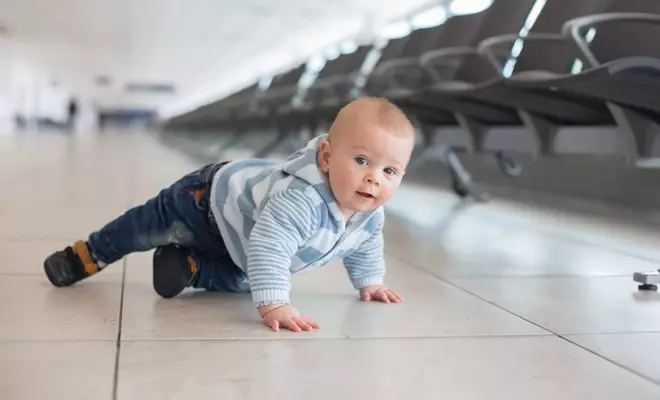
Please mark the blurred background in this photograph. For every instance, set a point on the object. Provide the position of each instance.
(169, 57)
(259, 78)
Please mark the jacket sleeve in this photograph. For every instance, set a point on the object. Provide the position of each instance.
(366, 265)
(286, 222)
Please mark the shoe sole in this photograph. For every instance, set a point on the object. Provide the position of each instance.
(168, 273)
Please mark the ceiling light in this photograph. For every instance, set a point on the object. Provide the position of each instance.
(348, 47)
(461, 7)
(429, 18)
(331, 53)
(395, 30)
(316, 63)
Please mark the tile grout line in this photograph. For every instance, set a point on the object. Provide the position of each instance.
(343, 337)
(593, 352)
(560, 336)
(115, 377)
(338, 338)
(462, 289)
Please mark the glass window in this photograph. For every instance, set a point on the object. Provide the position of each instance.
(518, 45)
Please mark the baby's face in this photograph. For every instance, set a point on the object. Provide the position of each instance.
(365, 168)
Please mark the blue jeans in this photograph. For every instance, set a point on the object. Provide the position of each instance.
(179, 215)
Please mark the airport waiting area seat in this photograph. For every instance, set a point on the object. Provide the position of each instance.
(334, 87)
(477, 94)
(216, 115)
(452, 80)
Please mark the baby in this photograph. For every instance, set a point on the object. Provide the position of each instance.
(247, 226)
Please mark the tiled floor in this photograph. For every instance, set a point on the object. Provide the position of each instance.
(503, 301)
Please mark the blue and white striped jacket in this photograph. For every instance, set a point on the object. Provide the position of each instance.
(282, 219)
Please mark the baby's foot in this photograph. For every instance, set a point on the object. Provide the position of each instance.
(68, 266)
(173, 270)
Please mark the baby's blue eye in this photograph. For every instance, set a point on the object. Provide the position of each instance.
(389, 171)
(361, 160)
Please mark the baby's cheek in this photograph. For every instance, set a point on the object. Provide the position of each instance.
(388, 191)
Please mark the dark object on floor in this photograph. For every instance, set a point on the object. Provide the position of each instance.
(173, 270)
(649, 280)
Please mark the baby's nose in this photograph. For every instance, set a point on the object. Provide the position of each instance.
(373, 180)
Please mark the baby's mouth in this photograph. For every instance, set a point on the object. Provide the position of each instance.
(366, 195)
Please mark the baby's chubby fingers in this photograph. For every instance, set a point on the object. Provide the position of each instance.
(394, 297)
(274, 325)
(365, 295)
(302, 324)
(291, 325)
(382, 295)
(310, 322)
(314, 324)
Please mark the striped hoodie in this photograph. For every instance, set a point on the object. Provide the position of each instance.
(278, 220)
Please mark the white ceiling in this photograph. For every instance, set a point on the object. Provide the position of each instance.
(205, 47)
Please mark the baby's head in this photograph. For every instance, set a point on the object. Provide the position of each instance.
(366, 153)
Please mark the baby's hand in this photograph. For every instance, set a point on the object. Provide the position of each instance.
(287, 317)
(380, 293)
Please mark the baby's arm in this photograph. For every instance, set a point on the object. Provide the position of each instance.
(366, 269)
(286, 222)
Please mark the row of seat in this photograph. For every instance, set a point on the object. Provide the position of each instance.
(463, 88)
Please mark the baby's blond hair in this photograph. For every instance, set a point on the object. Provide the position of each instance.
(372, 110)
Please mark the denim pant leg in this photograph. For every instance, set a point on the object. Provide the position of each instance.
(219, 274)
(174, 216)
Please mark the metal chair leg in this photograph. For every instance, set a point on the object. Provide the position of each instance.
(649, 280)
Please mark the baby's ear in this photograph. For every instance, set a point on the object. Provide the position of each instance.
(324, 151)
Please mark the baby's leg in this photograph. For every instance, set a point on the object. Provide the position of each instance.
(158, 222)
(219, 274)
(174, 216)
(175, 268)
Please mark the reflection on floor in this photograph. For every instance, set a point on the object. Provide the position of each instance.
(503, 301)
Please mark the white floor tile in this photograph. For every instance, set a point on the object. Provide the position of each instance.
(431, 308)
(57, 370)
(32, 309)
(27, 257)
(470, 368)
(573, 305)
(464, 246)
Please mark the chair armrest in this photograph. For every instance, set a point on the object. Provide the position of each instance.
(447, 53)
(394, 71)
(492, 47)
(331, 81)
(279, 92)
(331, 85)
(447, 58)
(574, 28)
(389, 66)
(427, 63)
